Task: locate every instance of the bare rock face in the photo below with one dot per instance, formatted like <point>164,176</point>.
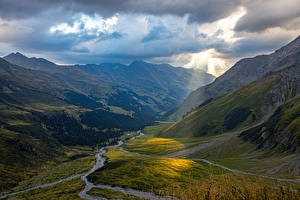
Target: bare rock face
<point>287,87</point>
<point>280,131</point>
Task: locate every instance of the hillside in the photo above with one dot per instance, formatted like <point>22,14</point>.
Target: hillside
<point>41,114</point>
<point>243,107</point>
<point>280,132</point>
<point>46,110</point>
<point>243,72</point>
<point>153,87</point>
<point>163,85</point>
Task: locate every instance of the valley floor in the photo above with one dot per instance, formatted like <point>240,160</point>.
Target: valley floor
<point>174,167</point>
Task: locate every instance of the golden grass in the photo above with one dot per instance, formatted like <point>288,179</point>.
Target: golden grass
<point>157,146</point>
<point>186,179</point>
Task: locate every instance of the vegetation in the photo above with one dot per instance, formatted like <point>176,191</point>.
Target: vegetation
<point>26,162</point>
<point>186,179</point>
<point>209,119</point>
<point>156,129</point>
<point>53,172</point>
<point>281,131</point>
<point>238,109</point>
<point>63,191</point>
<point>110,194</point>
<point>147,173</point>
<point>154,143</point>
<point>156,146</point>
<point>238,154</point>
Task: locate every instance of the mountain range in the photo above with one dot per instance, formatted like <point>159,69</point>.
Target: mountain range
<point>157,86</point>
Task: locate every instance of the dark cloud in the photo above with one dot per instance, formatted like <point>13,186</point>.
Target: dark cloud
<point>263,14</point>
<point>200,11</point>
<point>252,46</point>
<point>145,29</point>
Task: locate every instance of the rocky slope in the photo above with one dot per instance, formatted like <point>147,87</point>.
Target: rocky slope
<point>280,132</point>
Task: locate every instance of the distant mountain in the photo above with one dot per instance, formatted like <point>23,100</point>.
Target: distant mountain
<point>243,72</point>
<point>163,85</point>
<point>245,107</point>
<point>45,95</point>
<point>158,87</point>
<point>45,107</point>
<point>30,63</point>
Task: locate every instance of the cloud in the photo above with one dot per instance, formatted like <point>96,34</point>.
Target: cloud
<point>264,14</point>
<point>200,11</point>
<point>158,33</point>
<point>207,34</point>
<point>84,24</point>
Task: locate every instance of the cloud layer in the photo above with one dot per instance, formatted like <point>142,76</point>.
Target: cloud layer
<point>208,34</point>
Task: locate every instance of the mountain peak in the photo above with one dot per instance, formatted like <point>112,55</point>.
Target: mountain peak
<point>139,62</point>
<point>31,63</point>
<point>19,54</point>
<point>15,55</point>
<point>289,49</point>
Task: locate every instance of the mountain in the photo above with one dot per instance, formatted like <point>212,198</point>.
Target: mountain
<point>280,132</point>
<point>30,63</point>
<point>156,87</point>
<point>163,85</point>
<point>48,103</point>
<point>243,72</point>
<point>243,107</point>
<point>46,109</point>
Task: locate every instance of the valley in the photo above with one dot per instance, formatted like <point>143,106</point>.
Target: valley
<point>169,173</point>
<point>141,129</point>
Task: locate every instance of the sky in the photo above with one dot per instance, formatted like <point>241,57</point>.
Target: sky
<point>207,34</point>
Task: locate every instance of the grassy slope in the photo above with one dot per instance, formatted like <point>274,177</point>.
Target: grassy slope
<point>151,144</point>
<point>27,162</point>
<point>110,194</point>
<point>154,142</point>
<point>208,120</point>
<point>237,154</point>
<point>241,108</point>
<point>62,191</point>
<point>183,178</point>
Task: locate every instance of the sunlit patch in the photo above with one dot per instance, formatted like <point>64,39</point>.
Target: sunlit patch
<point>227,25</point>
<point>209,60</point>
<point>223,28</point>
<point>173,167</point>
<point>156,146</point>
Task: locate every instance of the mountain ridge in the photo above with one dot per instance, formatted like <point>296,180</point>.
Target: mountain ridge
<point>242,107</point>
<point>241,73</point>
<point>163,85</point>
